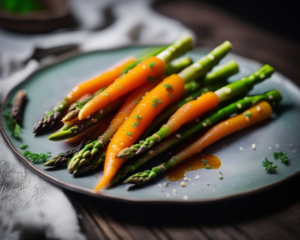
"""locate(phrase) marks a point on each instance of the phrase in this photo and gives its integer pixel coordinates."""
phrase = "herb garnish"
(135, 124)
(155, 101)
(221, 176)
(137, 102)
(151, 65)
(248, 114)
(268, 166)
(12, 125)
(129, 134)
(204, 162)
(169, 95)
(168, 86)
(23, 147)
(35, 157)
(137, 117)
(282, 155)
(120, 87)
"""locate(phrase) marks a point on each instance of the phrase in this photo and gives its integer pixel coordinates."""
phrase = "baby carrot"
(255, 114)
(136, 77)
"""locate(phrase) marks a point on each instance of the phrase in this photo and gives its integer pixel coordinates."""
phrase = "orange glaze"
(193, 163)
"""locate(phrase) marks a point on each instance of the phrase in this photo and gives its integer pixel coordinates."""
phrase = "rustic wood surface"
(272, 214)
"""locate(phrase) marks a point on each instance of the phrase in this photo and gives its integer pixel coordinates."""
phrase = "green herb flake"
(150, 79)
(207, 167)
(221, 176)
(134, 125)
(155, 101)
(207, 184)
(151, 65)
(268, 166)
(137, 117)
(204, 161)
(169, 95)
(168, 86)
(35, 157)
(282, 155)
(120, 87)
(129, 134)
(137, 102)
(13, 127)
(23, 147)
(248, 114)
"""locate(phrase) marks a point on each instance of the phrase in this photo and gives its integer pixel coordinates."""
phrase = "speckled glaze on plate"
(242, 170)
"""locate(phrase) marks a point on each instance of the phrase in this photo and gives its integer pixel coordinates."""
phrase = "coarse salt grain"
(185, 197)
(247, 119)
(168, 195)
(241, 148)
(258, 108)
(197, 177)
(277, 145)
(239, 105)
(159, 185)
(165, 184)
(253, 146)
(182, 184)
(178, 135)
(270, 148)
(204, 124)
(185, 179)
(88, 117)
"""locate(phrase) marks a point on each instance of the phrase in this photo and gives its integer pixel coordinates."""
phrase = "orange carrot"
(103, 80)
(140, 74)
(255, 114)
(192, 110)
(170, 90)
(131, 102)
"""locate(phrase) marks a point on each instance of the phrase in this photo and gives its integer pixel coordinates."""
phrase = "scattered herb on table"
(12, 125)
(221, 176)
(23, 147)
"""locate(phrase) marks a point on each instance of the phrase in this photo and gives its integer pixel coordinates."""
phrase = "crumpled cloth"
(31, 208)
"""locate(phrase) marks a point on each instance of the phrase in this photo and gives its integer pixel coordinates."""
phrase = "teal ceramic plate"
(241, 165)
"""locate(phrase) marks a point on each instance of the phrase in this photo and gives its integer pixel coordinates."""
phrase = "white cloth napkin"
(29, 205)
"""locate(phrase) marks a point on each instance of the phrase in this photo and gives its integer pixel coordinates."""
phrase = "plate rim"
(89, 192)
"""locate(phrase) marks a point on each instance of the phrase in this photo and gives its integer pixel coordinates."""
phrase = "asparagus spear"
(87, 123)
(272, 97)
(221, 72)
(224, 94)
(51, 117)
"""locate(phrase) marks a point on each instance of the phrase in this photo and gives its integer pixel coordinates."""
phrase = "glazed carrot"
(255, 114)
(137, 76)
(140, 118)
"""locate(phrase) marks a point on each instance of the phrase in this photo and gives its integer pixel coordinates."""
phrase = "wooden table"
(272, 214)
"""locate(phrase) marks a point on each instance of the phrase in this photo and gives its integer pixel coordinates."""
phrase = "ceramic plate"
(241, 165)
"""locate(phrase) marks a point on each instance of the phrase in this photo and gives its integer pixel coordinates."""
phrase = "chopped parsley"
(35, 157)
(169, 95)
(135, 124)
(204, 161)
(282, 155)
(207, 167)
(12, 125)
(221, 176)
(23, 147)
(168, 86)
(268, 166)
(137, 102)
(120, 87)
(137, 117)
(248, 114)
(129, 134)
(151, 65)
(155, 101)
(207, 184)
(150, 79)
